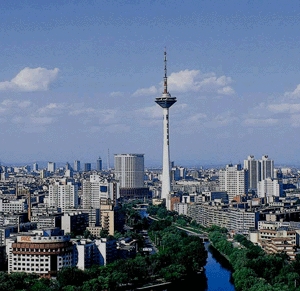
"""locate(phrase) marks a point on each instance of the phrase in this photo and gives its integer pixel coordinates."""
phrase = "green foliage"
(103, 233)
(71, 275)
(173, 272)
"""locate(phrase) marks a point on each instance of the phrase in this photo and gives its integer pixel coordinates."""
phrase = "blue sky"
(80, 77)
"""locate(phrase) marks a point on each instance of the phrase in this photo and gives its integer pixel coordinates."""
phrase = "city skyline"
(78, 79)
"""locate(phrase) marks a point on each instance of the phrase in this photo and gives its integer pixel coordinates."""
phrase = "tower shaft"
(166, 179)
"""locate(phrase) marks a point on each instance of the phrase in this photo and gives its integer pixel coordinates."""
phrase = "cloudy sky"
(78, 80)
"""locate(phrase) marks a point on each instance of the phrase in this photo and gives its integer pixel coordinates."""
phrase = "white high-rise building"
(91, 192)
(35, 167)
(63, 195)
(51, 167)
(129, 170)
(269, 188)
(76, 166)
(166, 101)
(233, 180)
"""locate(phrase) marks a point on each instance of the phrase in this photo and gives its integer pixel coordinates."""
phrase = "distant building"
(19, 205)
(76, 166)
(233, 180)
(269, 188)
(35, 167)
(51, 167)
(87, 167)
(99, 164)
(258, 170)
(75, 222)
(63, 195)
(129, 171)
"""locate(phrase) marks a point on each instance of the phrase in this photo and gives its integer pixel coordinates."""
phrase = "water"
(217, 275)
(217, 271)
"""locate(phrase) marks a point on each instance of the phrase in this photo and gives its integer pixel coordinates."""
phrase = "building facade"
(63, 195)
(233, 180)
(39, 253)
(129, 170)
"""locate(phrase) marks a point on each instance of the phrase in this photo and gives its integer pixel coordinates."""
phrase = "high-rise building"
(258, 170)
(266, 168)
(63, 195)
(166, 101)
(35, 167)
(51, 167)
(233, 180)
(129, 170)
(253, 172)
(91, 192)
(76, 166)
(269, 189)
(87, 167)
(99, 164)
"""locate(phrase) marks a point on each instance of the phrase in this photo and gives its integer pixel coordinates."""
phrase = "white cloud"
(226, 91)
(52, 108)
(260, 122)
(191, 81)
(116, 94)
(295, 120)
(8, 106)
(146, 91)
(284, 108)
(31, 79)
(194, 80)
(88, 110)
(293, 94)
(107, 116)
(41, 120)
(152, 112)
(196, 118)
(225, 118)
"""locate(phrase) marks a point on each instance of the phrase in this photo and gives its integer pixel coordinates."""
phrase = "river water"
(217, 275)
(217, 271)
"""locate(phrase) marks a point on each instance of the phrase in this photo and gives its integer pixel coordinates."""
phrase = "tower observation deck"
(166, 101)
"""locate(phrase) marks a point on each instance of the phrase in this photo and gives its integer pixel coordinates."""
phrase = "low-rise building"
(40, 252)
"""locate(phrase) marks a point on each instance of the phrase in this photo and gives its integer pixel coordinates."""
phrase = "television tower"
(166, 101)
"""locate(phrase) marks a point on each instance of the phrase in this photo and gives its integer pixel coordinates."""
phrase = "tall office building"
(91, 192)
(129, 170)
(35, 167)
(97, 191)
(258, 170)
(51, 167)
(87, 167)
(166, 101)
(266, 168)
(233, 180)
(99, 164)
(253, 171)
(76, 166)
(63, 195)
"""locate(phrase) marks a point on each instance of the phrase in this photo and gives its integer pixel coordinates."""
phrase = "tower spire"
(165, 77)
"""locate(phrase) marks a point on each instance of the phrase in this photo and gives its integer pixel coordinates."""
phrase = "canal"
(216, 277)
